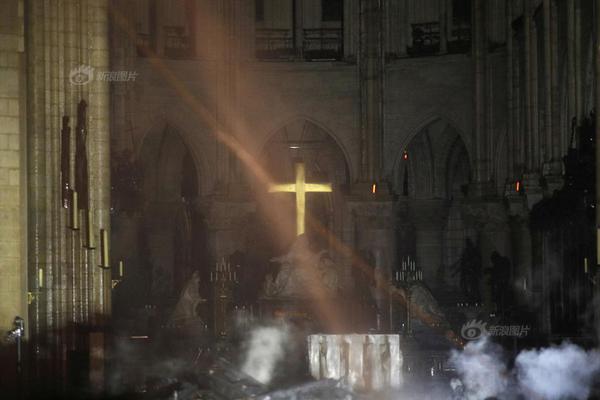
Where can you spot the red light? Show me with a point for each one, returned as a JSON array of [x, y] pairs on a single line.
[[405, 155], [518, 186]]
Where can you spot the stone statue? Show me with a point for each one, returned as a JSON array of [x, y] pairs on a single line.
[[423, 306], [186, 308], [303, 273]]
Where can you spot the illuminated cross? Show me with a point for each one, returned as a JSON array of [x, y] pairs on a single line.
[[300, 187]]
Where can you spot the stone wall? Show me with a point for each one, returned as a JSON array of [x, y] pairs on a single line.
[[12, 165]]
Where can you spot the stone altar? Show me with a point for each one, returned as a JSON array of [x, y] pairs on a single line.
[[370, 362]]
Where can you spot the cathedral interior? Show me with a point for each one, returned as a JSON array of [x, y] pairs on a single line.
[[299, 199]]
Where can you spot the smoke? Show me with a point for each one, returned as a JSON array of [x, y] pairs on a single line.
[[553, 373], [481, 369], [566, 371], [265, 350]]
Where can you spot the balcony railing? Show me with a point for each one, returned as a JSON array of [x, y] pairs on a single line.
[[274, 44], [322, 44], [177, 42], [460, 39], [425, 39]]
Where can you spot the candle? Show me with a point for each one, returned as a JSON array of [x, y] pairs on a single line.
[[40, 278], [104, 248], [121, 269], [75, 212]]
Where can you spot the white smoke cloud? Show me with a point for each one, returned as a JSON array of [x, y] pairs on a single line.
[[266, 348], [564, 371], [553, 373], [481, 369]]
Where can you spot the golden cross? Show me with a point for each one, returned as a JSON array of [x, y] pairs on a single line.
[[300, 187]]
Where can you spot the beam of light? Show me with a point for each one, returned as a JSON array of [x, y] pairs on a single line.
[[325, 307], [318, 292]]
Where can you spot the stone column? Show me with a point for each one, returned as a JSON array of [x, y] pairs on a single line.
[[597, 100], [374, 236], [547, 134], [557, 134], [510, 126], [404, 26], [578, 61], [370, 64], [429, 218], [99, 144], [480, 143], [68, 286], [443, 27], [532, 165], [528, 87], [298, 26], [572, 97]]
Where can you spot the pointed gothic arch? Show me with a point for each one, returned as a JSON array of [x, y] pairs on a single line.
[[174, 228], [302, 139], [434, 155]]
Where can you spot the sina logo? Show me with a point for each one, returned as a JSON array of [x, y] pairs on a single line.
[[81, 75], [474, 329]]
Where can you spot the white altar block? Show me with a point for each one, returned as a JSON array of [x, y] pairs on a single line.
[[371, 362]]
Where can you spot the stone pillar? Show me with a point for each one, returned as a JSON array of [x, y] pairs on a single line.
[[429, 218], [68, 286], [510, 126], [572, 97], [597, 100], [556, 134], [371, 71], [578, 61], [531, 177], [553, 134], [404, 26], [443, 27], [528, 87], [547, 134], [480, 143], [374, 238]]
